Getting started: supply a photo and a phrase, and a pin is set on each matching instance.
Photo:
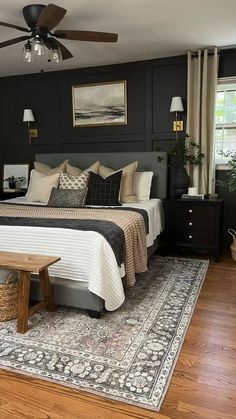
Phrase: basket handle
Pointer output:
(9, 278)
(232, 232)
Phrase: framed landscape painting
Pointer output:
(100, 104)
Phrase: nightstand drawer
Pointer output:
(199, 237)
(188, 223)
(197, 211)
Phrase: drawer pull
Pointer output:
(190, 224)
(190, 210)
(190, 237)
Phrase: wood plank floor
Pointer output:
(203, 385)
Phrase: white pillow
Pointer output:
(40, 186)
(143, 182)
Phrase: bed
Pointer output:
(88, 276)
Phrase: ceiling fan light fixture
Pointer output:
(55, 54)
(38, 47)
(27, 53)
(41, 20)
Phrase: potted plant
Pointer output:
(12, 181)
(182, 152)
(230, 181)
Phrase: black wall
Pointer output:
(151, 85)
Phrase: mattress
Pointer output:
(85, 255)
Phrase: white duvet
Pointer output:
(85, 255)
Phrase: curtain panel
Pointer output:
(201, 101)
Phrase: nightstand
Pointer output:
(9, 195)
(194, 224)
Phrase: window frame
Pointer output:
(220, 126)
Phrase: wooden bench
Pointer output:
(27, 264)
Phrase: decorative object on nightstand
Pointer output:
(194, 224)
(183, 152)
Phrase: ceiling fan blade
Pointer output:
(86, 36)
(51, 42)
(9, 25)
(51, 16)
(14, 41)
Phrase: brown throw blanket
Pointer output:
(132, 224)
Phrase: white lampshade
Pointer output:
(28, 115)
(176, 104)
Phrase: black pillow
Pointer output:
(104, 192)
(67, 198)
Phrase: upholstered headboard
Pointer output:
(150, 160)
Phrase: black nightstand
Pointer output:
(194, 224)
(9, 195)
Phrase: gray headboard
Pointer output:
(151, 160)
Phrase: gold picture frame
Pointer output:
(99, 104)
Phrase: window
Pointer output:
(225, 130)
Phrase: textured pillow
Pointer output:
(73, 182)
(75, 171)
(40, 186)
(127, 193)
(47, 170)
(67, 198)
(143, 182)
(104, 192)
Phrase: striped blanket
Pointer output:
(131, 222)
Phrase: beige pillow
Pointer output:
(40, 186)
(47, 170)
(75, 171)
(127, 193)
(73, 182)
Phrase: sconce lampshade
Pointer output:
(176, 104)
(28, 115)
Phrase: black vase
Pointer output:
(12, 185)
(180, 182)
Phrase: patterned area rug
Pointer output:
(127, 355)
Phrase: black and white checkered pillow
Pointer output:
(104, 192)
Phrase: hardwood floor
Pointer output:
(203, 385)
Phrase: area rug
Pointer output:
(128, 355)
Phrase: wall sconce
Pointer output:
(29, 117)
(177, 106)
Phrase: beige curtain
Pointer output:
(202, 88)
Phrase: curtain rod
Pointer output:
(220, 48)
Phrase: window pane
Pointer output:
(220, 107)
(225, 140)
(229, 139)
(230, 107)
(218, 145)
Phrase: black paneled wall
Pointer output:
(150, 84)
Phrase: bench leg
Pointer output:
(47, 289)
(23, 302)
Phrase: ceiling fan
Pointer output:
(41, 20)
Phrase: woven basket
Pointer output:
(9, 293)
(233, 245)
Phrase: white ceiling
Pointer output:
(147, 29)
